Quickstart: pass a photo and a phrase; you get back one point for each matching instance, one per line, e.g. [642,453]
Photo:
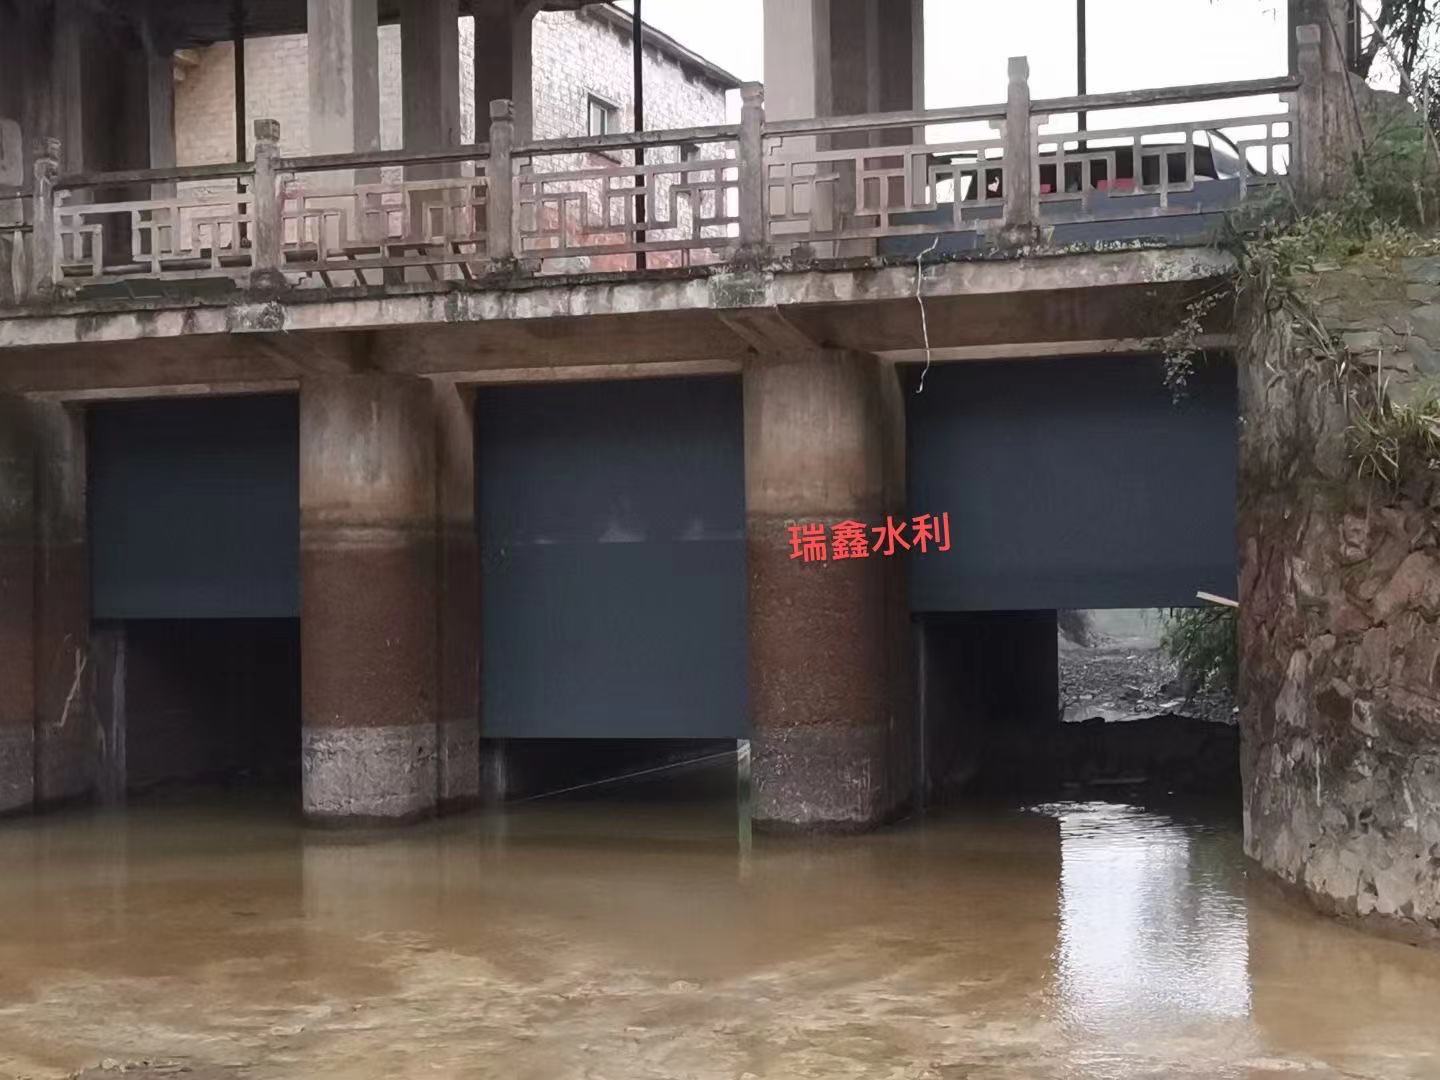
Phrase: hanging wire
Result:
[920,299]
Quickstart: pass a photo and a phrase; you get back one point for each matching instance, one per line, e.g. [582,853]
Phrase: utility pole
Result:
[1081,62]
[638,78]
[237,31]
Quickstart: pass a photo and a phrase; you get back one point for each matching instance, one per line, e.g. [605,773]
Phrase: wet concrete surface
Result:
[647,935]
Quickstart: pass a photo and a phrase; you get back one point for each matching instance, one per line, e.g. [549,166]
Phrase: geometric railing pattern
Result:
[880,184]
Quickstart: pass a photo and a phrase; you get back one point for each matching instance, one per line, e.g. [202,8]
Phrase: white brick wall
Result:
[577,55]
[574,55]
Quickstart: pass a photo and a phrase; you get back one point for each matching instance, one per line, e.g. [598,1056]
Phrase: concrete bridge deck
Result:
[695,321]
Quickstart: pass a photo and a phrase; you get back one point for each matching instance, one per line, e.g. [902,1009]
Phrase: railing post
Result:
[752,172]
[44,267]
[499,183]
[266,231]
[1326,128]
[1021,211]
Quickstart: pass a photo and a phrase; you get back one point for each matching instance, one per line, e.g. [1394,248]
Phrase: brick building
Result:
[581,63]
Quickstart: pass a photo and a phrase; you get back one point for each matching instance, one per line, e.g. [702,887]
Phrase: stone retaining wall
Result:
[1340,592]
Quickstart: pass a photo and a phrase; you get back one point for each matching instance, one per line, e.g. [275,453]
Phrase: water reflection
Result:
[1152,919]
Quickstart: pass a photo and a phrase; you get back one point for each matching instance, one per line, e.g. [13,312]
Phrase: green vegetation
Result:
[1390,441]
[1390,210]
[1204,642]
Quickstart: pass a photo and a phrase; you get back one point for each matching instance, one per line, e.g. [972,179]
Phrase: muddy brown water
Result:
[642,937]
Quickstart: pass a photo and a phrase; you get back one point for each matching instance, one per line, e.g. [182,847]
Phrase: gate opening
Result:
[187,703]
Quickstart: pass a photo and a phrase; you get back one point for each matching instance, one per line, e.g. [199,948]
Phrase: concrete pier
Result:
[17,595]
[368,591]
[48,745]
[458,614]
[829,685]
[66,748]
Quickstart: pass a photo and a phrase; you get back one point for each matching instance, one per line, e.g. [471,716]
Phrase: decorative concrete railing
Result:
[672,197]
[840,186]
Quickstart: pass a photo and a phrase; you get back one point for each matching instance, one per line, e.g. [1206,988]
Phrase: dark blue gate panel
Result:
[612,523]
[1073,483]
[194,508]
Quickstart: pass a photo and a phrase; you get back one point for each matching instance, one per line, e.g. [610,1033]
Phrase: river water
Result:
[642,936]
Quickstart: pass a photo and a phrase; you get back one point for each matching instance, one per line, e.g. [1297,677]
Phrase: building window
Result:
[604,116]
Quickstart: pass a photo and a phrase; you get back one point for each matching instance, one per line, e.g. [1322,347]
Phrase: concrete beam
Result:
[571,322]
[584,296]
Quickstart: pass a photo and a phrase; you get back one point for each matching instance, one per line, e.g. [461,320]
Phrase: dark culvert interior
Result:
[194,703]
[1077,704]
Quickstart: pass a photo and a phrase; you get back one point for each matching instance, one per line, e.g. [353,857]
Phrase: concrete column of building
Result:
[458,610]
[344,61]
[430,78]
[67,752]
[797,83]
[17,607]
[504,40]
[843,57]
[160,114]
[797,59]
[368,597]
[829,685]
[66,108]
[900,57]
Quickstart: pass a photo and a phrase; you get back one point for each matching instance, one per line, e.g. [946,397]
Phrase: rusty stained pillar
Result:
[67,749]
[368,623]
[830,684]
[49,748]
[17,608]
[458,602]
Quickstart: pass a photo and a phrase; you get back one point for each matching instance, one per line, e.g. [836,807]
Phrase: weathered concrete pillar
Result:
[1339,21]
[797,59]
[367,586]
[430,78]
[160,84]
[458,614]
[17,611]
[797,87]
[843,57]
[503,60]
[344,58]
[67,79]
[67,749]
[829,686]
[876,55]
